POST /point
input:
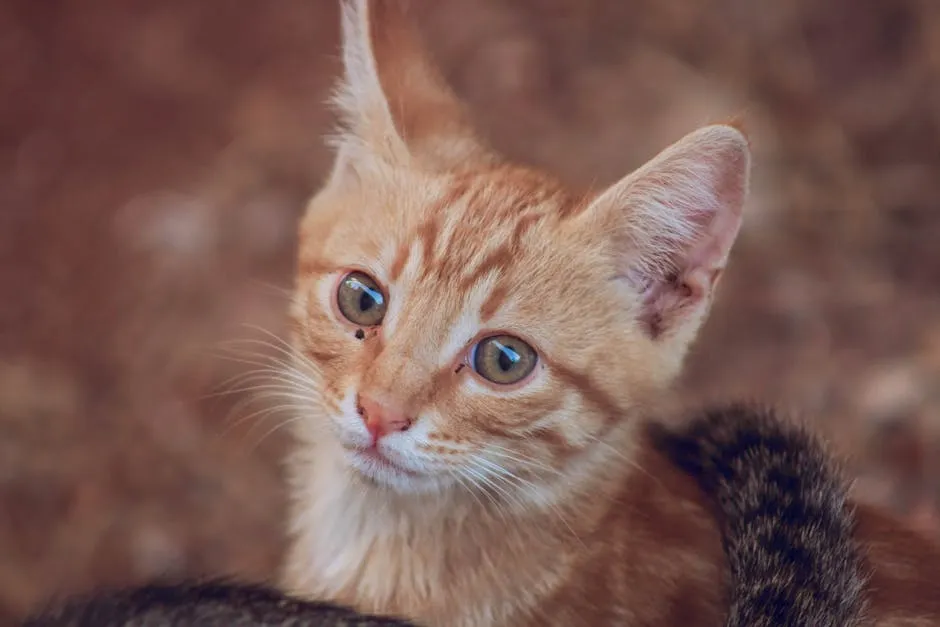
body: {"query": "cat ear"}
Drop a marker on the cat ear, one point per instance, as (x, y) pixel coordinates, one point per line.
(673, 223)
(392, 101)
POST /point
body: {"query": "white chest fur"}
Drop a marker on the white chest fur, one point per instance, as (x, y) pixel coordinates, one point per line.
(357, 544)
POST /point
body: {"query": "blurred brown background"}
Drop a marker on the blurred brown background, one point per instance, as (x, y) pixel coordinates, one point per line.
(154, 158)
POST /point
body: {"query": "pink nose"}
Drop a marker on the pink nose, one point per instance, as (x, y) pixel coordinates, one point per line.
(382, 418)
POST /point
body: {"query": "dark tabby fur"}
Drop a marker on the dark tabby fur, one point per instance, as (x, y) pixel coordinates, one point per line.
(786, 525)
(786, 522)
(214, 604)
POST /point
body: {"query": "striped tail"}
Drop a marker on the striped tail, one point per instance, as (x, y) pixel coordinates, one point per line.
(786, 522)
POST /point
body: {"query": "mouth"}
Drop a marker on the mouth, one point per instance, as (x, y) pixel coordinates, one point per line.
(371, 462)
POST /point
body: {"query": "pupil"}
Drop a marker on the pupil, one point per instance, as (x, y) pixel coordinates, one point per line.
(507, 358)
(365, 300)
(368, 297)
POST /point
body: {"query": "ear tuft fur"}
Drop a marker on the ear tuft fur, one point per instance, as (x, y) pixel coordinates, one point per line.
(392, 101)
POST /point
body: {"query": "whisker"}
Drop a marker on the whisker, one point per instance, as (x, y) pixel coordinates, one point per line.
(271, 365)
(516, 456)
(281, 345)
(491, 479)
(268, 384)
(259, 416)
(484, 482)
(273, 288)
(284, 375)
(284, 384)
(630, 462)
(456, 474)
(283, 352)
(269, 411)
(278, 390)
(508, 477)
(274, 430)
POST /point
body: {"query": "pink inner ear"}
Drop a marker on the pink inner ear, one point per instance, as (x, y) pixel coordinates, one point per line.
(693, 265)
(665, 300)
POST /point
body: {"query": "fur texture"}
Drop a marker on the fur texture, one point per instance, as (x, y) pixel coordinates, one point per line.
(213, 604)
(787, 525)
(422, 487)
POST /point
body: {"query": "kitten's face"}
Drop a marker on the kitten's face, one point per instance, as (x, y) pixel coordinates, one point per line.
(466, 322)
(479, 305)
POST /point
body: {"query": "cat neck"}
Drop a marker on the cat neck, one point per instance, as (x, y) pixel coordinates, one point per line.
(381, 551)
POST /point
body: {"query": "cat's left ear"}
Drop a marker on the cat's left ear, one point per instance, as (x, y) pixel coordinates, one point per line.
(671, 225)
(393, 102)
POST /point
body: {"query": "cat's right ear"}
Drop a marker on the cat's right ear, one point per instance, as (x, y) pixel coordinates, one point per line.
(672, 224)
(393, 103)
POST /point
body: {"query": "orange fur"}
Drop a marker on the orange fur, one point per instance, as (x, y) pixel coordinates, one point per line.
(525, 504)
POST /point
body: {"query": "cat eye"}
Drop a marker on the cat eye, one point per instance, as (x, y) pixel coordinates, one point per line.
(360, 299)
(503, 359)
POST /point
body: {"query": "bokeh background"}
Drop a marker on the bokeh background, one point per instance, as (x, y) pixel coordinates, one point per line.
(155, 156)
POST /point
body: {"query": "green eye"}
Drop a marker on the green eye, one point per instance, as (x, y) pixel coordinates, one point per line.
(360, 300)
(504, 359)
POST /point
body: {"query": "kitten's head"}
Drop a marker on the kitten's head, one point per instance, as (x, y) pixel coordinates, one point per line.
(469, 321)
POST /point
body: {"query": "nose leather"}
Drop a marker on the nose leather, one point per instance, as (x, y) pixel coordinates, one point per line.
(382, 418)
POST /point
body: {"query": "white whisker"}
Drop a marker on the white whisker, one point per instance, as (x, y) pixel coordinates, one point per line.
(275, 429)
(630, 462)
(278, 380)
(518, 456)
(514, 481)
(463, 481)
(484, 483)
(259, 416)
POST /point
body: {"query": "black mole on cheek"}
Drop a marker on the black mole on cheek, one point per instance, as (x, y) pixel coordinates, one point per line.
(360, 334)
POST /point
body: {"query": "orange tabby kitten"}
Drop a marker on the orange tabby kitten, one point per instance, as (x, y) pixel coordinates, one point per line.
(477, 343)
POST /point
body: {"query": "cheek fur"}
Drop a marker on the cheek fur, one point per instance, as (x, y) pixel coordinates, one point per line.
(352, 431)
(472, 416)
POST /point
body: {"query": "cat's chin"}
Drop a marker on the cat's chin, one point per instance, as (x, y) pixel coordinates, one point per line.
(379, 470)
